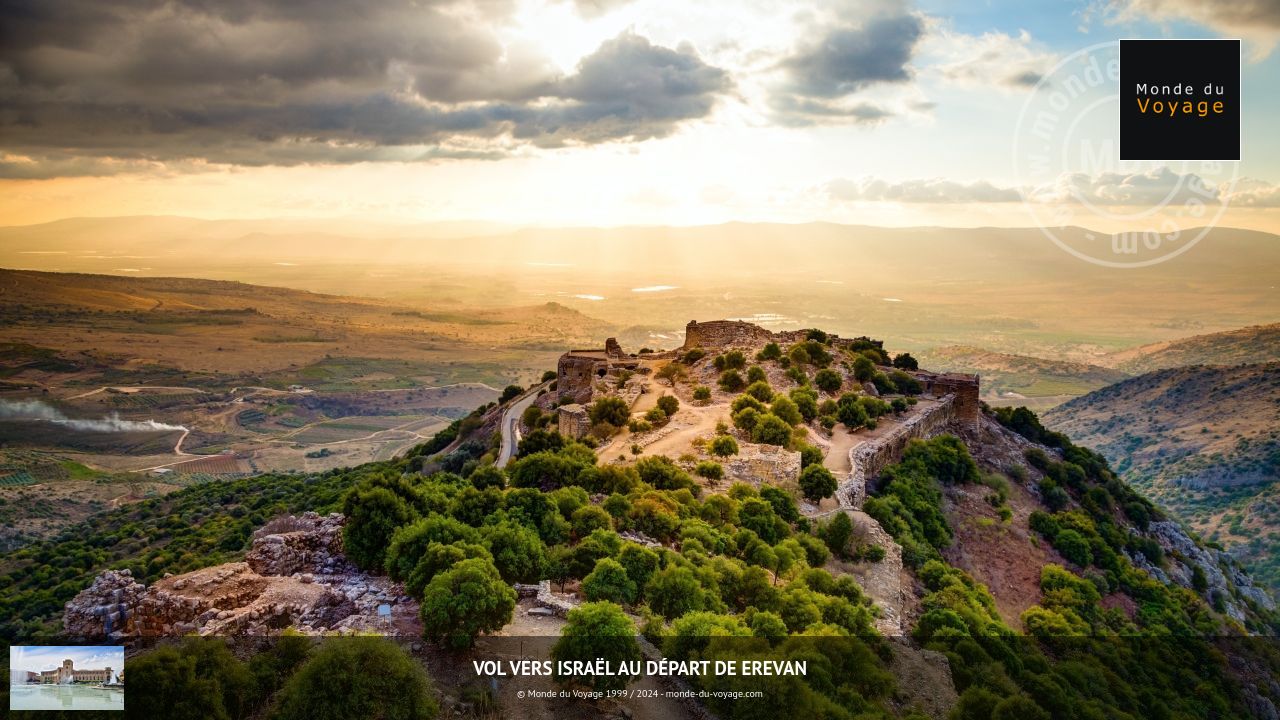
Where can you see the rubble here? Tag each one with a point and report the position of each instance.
(294, 575)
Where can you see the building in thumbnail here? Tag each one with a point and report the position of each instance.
(69, 674)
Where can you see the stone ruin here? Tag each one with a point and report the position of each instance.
(294, 575)
(578, 371)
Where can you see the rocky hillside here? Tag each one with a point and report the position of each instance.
(1250, 345)
(1202, 441)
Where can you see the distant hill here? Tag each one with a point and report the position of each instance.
(1202, 440)
(165, 325)
(1255, 344)
(1019, 379)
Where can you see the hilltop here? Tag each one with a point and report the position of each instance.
(1254, 344)
(838, 492)
(1200, 440)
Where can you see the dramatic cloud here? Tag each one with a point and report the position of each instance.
(297, 82)
(822, 75)
(935, 190)
(1251, 193)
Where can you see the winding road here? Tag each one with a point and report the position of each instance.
(511, 420)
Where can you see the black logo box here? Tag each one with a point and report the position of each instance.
(1188, 64)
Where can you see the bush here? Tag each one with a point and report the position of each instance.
(609, 581)
(510, 392)
(836, 534)
(597, 631)
(731, 381)
(373, 515)
(702, 393)
(1074, 547)
(770, 351)
(199, 680)
(828, 381)
(518, 553)
(785, 408)
(487, 476)
(905, 362)
(461, 603)
(669, 404)
(611, 410)
(724, 446)
(437, 558)
(662, 473)
(817, 482)
(771, 430)
(710, 470)
(655, 416)
(399, 689)
(755, 374)
(760, 391)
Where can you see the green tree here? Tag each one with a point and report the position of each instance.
(332, 686)
(675, 591)
(669, 404)
(709, 470)
(373, 515)
(771, 430)
(904, 361)
(609, 581)
(461, 603)
(817, 482)
(828, 381)
(597, 631)
(196, 680)
(589, 518)
(1073, 547)
(836, 534)
(610, 409)
(662, 473)
(756, 374)
(770, 351)
(702, 393)
(785, 408)
(863, 368)
(760, 390)
(510, 392)
(518, 553)
(731, 381)
(410, 542)
(439, 557)
(724, 446)
(487, 476)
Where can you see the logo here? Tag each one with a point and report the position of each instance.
(1179, 99)
(1093, 195)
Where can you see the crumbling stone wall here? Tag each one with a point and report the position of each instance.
(572, 421)
(716, 334)
(760, 465)
(869, 458)
(963, 386)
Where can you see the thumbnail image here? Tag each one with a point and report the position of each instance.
(66, 677)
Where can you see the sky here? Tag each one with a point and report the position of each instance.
(35, 658)
(603, 112)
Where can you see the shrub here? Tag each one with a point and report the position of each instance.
(373, 515)
(702, 393)
(461, 603)
(611, 410)
(609, 581)
(487, 476)
(817, 482)
(655, 416)
(709, 470)
(1074, 547)
(828, 381)
(724, 446)
(771, 430)
(760, 391)
(662, 473)
(905, 362)
(770, 351)
(669, 404)
(399, 690)
(518, 553)
(836, 534)
(437, 558)
(597, 631)
(785, 408)
(755, 374)
(731, 381)
(510, 392)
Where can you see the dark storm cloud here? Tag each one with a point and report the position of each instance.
(85, 85)
(844, 61)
